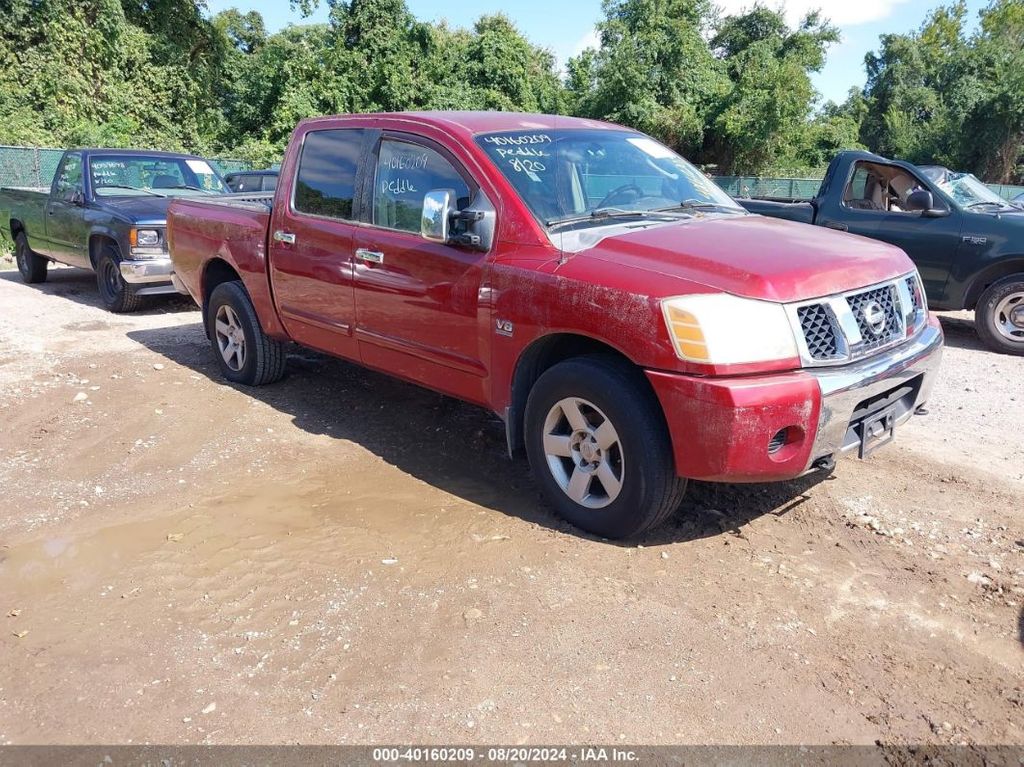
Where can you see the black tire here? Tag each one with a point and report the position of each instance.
(116, 294)
(999, 316)
(31, 265)
(263, 358)
(649, 490)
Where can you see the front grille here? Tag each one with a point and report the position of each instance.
(819, 332)
(886, 298)
(915, 294)
(849, 326)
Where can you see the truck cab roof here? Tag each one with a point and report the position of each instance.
(475, 122)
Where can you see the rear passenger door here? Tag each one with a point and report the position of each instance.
(311, 241)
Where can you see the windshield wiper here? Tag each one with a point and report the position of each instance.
(703, 205)
(601, 214)
(189, 186)
(133, 188)
(990, 202)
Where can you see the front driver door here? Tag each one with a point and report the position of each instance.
(65, 214)
(418, 313)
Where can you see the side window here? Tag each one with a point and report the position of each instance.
(855, 189)
(269, 183)
(326, 181)
(865, 191)
(405, 173)
(247, 183)
(70, 177)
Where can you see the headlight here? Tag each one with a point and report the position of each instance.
(146, 238)
(722, 329)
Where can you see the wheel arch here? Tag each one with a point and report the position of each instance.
(986, 278)
(540, 355)
(15, 227)
(216, 271)
(97, 240)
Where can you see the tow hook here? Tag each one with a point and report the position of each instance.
(921, 410)
(825, 463)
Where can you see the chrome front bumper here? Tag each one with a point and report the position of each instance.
(901, 378)
(150, 276)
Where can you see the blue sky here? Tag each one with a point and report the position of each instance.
(567, 27)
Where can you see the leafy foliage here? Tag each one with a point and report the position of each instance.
(939, 95)
(734, 91)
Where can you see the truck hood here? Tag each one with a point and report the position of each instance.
(144, 209)
(756, 257)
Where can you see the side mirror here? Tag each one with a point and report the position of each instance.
(920, 200)
(436, 217)
(75, 197)
(923, 201)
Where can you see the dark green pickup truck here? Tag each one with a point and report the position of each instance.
(106, 210)
(967, 242)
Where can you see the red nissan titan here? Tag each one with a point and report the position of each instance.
(631, 324)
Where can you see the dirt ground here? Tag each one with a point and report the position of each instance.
(344, 558)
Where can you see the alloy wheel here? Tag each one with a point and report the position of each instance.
(230, 337)
(583, 452)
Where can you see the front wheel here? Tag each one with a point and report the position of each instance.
(116, 294)
(999, 316)
(599, 447)
(245, 353)
(31, 265)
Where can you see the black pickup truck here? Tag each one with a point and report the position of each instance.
(106, 210)
(967, 242)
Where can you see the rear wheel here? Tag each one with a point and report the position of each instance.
(31, 265)
(599, 447)
(245, 353)
(116, 294)
(999, 316)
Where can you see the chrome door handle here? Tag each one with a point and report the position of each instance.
(370, 256)
(286, 237)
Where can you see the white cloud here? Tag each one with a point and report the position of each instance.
(842, 13)
(590, 40)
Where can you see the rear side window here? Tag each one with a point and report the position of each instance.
(327, 172)
(405, 173)
(246, 183)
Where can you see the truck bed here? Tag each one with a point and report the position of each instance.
(27, 205)
(233, 227)
(802, 212)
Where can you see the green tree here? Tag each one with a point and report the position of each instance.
(653, 71)
(762, 121)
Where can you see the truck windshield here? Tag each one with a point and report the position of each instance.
(597, 176)
(968, 191)
(127, 175)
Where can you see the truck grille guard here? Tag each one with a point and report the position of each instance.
(858, 323)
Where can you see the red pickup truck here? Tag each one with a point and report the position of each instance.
(631, 324)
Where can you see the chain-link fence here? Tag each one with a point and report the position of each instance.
(770, 188)
(36, 166)
(806, 188)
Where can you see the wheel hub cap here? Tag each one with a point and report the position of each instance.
(1009, 317)
(583, 452)
(1017, 316)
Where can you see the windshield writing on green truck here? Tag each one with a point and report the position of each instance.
(126, 175)
(564, 174)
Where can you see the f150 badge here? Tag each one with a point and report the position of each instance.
(503, 327)
(973, 239)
